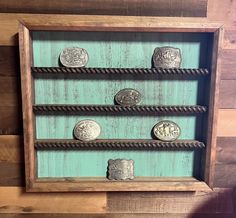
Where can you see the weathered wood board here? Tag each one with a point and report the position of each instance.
(182, 8)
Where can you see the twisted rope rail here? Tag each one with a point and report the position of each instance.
(117, 144)
(132, 71)
(118, 108)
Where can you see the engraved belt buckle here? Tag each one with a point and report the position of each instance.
(120, 169)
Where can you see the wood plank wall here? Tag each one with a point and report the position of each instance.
(14, 202)
(181, 8)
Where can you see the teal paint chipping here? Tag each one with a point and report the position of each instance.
(117, 50)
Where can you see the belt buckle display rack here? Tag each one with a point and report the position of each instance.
(31, 109)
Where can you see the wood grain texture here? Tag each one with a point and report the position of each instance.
(228, 64)
(27, 101)
(226, 150)
(213, 89)
(226, 162)
(10, 94)
(125, 24)
(175, 8)
(9, 85)
(230, 32)
(225, 175)
(219, 11)
(9, 23)
(10, 120)
(102, 184)
(122, 215)
(170, 215)
(11, 161)
(224, 11)
(11, 149)
(15, 200)
(227, 94)
(12, 174)
(226, 123)
(227, 7)
(59, 215)
(9, 61)
(219, 201)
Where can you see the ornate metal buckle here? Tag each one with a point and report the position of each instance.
(120, 169)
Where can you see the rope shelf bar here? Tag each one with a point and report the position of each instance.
(121, 71)
(54, 108)
(118, 145)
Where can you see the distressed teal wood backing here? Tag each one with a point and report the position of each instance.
(64, 90)
(113, 127)
(107, 49)
(117, 50)
(94, 163)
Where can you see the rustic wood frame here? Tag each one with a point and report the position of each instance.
(112, 23)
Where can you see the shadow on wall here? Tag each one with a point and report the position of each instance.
(222, 204)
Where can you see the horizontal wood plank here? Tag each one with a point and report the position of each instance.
(227, 8)
(181, 8)
(12, 174)
(15, 200)
(226, 123)
(11, 161)
(121, 215)
(10, 93)
(225, 170)
(9, 85)
(10, 120)
(226, 150)
(55, 215)
(225, 175)
(170, 215)
(84, 184)
(228, 64)
(219, 201)
(224, 11)
(9, 60)
(227, 94)
(11, 149)
(230, 33)
(9, 22)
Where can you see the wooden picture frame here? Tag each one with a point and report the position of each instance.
(115, 24)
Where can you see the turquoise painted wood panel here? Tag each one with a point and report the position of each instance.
(64, 90)
(116, 50)
(113, 127)
(94, 163)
